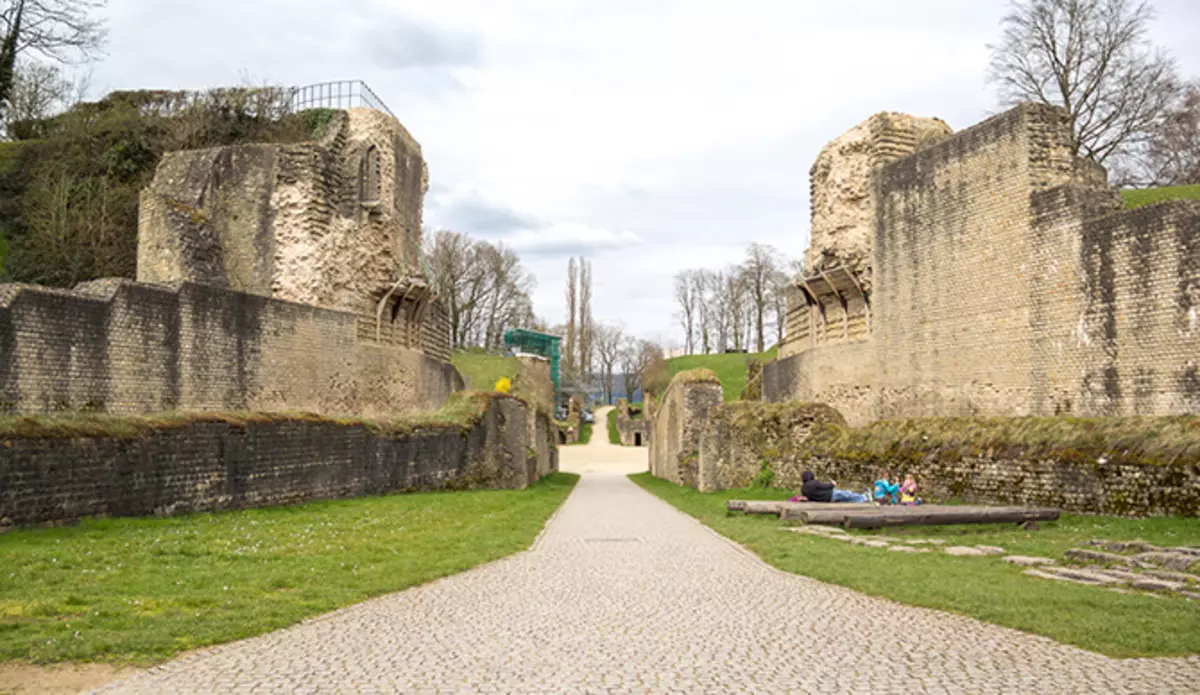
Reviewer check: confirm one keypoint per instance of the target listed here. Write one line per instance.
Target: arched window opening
(368, 177)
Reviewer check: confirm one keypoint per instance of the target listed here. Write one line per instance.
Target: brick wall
(1006, 281)
(216, 466)
(124, 347)
(737, 437)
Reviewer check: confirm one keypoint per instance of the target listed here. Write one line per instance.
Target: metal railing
(343, 94)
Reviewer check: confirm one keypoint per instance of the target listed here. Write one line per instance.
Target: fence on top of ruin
(340, 94)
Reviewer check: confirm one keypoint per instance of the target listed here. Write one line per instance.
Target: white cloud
(650, 137)
(570, 238)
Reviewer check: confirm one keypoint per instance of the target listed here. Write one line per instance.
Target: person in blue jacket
(886, 492)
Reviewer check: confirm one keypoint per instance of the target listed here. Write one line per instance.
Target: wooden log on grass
(823, 512)
(948, 516)
(777, 506)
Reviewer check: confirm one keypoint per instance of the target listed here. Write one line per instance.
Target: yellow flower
(503, 385)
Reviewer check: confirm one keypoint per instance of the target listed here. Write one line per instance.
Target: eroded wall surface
(677, 423)
(126, 347)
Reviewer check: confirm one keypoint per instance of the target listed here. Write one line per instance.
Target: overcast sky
(648, 136)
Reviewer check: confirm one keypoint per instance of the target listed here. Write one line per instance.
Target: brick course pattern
(1007, 281)
(216, 466)
(125, 347)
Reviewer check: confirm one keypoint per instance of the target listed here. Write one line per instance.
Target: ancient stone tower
(334, 223)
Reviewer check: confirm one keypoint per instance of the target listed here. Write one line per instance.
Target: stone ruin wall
(677, 424)
(632, 432)
(260, 270)
(1008, 281)
(737, 437)
(830, 303)
(840, 188)
(214, 466)
(318, 223)
(125, 347)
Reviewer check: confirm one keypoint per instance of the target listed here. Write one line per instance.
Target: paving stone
(1123, 575)
(1028, 560)
(1171, 576)
(870, 542)
(963, 550)
(675, 609)
(1083, 575)
(991, 549)
(1146, 584)
(1139, 546)
(1086, 555)
(1180, 562)
(907, 549)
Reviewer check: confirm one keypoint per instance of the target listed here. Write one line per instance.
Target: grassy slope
(614, 437)
(730, 369)
(1146, 196)
(1119, 625)
(141, 590)
(481, 371)
(585, 433)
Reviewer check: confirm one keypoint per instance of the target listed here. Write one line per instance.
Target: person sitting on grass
(908, 491)
(886, 492)
(817, 491)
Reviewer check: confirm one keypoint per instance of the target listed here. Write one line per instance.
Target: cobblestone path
(622, 594)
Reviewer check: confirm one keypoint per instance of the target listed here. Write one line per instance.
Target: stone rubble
(964, 550)
(1028, 560)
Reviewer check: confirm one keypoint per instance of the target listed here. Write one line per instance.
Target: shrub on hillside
(69, 191)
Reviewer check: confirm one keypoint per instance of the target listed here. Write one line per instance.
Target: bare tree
(781, 285)
(38, 90)
(720, 310)
(485, 288)
(507, 302)
(609, 339)
(759, 273)
(685, 295)
(702, 287)
(1093, 58)
(56, 29)
(635, 356)
(572, 305)
(1172, 156)
(586, 330)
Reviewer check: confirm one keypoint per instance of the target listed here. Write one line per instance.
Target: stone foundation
(213, 466)
(793, 437)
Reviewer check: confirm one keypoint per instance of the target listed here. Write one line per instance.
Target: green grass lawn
(1145, 196)
(481, 370)
(141, 590)
(1118, 625)
(730, 369)
(585, 433)
(614, 436)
